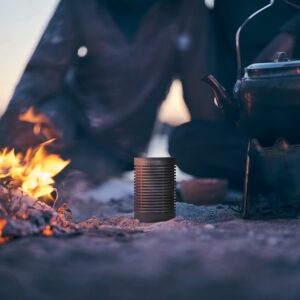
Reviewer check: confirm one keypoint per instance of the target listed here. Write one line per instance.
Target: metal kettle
(266, 99)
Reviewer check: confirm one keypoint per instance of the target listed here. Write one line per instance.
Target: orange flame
(2, 225)
(32, 172)
(47, 231)
(41, 123)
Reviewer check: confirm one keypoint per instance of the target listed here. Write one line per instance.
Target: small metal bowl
(204, 191)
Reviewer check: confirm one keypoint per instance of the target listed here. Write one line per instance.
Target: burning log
(22, 215)
(27, 193)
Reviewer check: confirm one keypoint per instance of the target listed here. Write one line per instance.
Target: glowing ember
(2, 225)
(47, 231)
(32, 172)
(41, 124)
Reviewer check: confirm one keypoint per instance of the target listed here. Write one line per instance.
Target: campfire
(41, 124)
(27, 191)
(33, 172)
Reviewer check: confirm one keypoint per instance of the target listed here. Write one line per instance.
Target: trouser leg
(212, 150)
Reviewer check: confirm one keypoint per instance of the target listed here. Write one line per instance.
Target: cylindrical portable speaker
(154, 189)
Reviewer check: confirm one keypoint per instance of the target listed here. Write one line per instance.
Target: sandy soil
(205, 253)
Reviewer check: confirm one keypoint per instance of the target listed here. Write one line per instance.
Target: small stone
(251, 234)
(209, 226)
(272, 241)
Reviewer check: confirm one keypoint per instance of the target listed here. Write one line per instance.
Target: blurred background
(21, 25)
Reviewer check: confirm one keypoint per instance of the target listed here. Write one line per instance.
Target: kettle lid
(280, 66)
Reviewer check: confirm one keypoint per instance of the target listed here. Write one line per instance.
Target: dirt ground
(205, 253)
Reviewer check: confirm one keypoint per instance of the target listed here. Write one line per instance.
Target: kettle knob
(280, 56)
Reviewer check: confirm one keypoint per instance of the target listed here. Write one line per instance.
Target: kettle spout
(222, 100)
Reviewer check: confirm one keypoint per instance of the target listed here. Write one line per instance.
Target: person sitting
(103, 67)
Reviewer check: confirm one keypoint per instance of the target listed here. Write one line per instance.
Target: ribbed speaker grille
(154, 189)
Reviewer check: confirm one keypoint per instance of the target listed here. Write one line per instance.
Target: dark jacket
(119, 85)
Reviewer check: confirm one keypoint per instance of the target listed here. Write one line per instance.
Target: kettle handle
(237, 38)
(293, 4)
